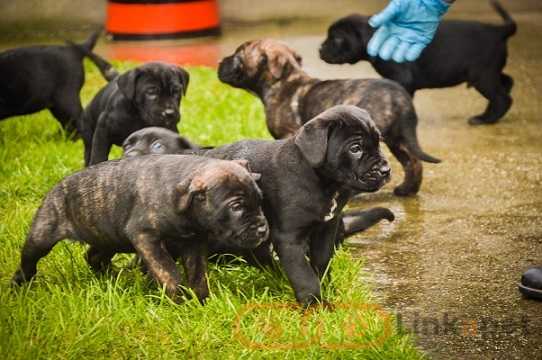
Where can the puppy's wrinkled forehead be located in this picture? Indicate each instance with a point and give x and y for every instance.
(161, 74)
(252, 52)
(230, 176)
(353, 120)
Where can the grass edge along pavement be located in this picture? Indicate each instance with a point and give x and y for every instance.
(67, 312)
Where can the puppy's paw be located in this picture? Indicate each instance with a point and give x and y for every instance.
(403, 190)
(477, 120)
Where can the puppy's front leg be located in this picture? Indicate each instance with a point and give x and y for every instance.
(322, 246)
(101, 144)
(194, 258)
(292, 250)
(158, 261)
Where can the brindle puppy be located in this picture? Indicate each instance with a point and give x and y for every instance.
(147, 205)
(154, 140)
(273, 72)
(148, 95)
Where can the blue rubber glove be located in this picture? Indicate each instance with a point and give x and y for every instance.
(405, 28)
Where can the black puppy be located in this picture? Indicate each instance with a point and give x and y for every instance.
(47, 77)
(154, 140)
(462, 51)
(149, 205)
(306, 180)
(148, 95)
(273, 71)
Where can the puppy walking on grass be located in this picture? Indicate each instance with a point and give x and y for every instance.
(151, 205)
(48, 77)
(148, 95)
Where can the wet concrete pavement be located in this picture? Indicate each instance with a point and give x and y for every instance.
(450, 263)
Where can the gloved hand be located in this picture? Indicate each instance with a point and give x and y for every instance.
(405, 28)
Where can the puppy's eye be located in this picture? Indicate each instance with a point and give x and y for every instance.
(152, 93)
(355, 149)
(236, 205)
(338, 41)
(157, 147)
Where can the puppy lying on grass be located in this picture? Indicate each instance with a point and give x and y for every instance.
(148, 95)
(273, 72)
(151, 205)
(306, 181)
(155, 140)
(48, 77)
(462, 51)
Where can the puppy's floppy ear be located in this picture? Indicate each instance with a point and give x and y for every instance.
(127, 83)
(186, 191)
(184, 77)
(311, 139)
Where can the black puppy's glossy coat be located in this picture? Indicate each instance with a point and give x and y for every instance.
(306, 180)
(291, 97)
(149, 205)
(47, 77)
(154, 140)
(148, 95)
(462, 51)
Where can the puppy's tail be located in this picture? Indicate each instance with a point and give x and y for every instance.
(85, 49)
(360, 220)
(510, 25)
(411, 141)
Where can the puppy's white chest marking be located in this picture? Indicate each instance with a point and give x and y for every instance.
(332, 208)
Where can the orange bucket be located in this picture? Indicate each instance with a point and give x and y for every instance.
(161, 19)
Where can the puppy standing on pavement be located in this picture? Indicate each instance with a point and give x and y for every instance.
(149, 205)
(148, 95)
(47, 77)
(462, 51)
(273, 72)
(154, 140)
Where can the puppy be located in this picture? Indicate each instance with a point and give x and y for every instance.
(306, 181)
(153, 140)
(273, 72)
(156, 140)
(148, 95)
(47, 77)
(462, 51)
(149, 205)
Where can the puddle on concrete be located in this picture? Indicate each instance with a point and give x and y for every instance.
(450, 263)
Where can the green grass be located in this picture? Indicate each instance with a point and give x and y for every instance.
(68, 313)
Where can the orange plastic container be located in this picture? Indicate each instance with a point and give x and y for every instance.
(159, 19)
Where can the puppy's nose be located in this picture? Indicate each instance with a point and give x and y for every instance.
(168, 112)
(385, 169)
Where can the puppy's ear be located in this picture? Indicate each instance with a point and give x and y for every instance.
(281, 64)
(183, 143)
(184, 78)
(311, 139)
(127, 83)
(187, 190)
